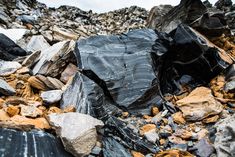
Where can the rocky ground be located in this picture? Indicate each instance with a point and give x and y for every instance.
(124, 83)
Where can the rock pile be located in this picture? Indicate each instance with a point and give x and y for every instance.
(78, 83)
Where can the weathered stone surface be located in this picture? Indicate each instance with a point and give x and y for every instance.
(199, 104)
(69, 71)
(8, 49)
(54, 59)
(38, 123)
(77, 131)
(31, 59)
(123, 65)
(30, 111)
(30, 143)
(203, 148)
(52, 96)
(8, 67)
(60, 34)
(36, 83)
(186, 12)
(6, 89)
(146, 128)
(113, 148)
(178, 118)
(151, 136)
(225, 140)
(37, 43)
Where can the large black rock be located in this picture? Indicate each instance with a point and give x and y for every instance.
(194, 13)
(9, 50)
(89, 98)
(33, 143)
(191, 54)
(123, 66)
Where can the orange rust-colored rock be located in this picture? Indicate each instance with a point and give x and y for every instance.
(29, 26)
(162, 141)
(178, 118)
(174, 153)
(12, 110)
(184, 134)
(211, 119)
(125, 114)
(54, 109)
(202, 134)
(155, 111)
(39, 123)
(36, 83)
(147, 128)
(136, 154)
(199, 104)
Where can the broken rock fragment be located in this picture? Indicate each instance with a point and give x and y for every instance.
(8, 67)
(51, 96)
(224, 137)
(6, 89)
(54, 59)
(37, 43)
(77, 131)
(199, 104)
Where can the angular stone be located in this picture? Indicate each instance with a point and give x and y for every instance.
(31, 59)
(9, 50)
(211, 119)
(123, 66)
(30, 143)
(69, 71)
(39, 123)
(8, 67)
(57, 84)
(77, 131)
(113, 148)
(203, 148)
(37, 43)
(224, 137)
(151, 136)
(63, 34)
(199, 104)
(36, 83)
(178, 118)
(30, 111)
(186, 12)
(54, 59)
(147, 128)
(6, 89)
(51, 96)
